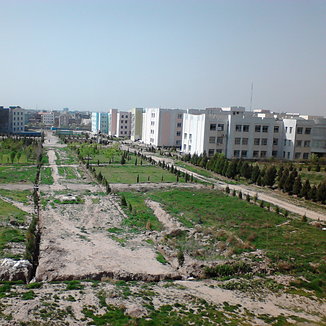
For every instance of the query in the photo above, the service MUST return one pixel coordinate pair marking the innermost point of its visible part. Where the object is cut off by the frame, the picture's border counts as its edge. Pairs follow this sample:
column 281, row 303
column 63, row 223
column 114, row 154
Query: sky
column 100, row 54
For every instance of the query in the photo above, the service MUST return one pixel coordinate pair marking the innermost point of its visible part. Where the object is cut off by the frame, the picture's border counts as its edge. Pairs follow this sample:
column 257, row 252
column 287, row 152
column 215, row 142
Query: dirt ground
column 78, row 242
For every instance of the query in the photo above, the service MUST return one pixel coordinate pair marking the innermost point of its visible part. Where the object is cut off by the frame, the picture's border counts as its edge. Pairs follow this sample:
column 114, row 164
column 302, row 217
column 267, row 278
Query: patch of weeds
column 228, row 269
column 115, row 230
column 160, row 258
column 29, row 295
column 35, row 285
column 230, row 308
column 121, row 241
column 70, row 298
column 74, row 285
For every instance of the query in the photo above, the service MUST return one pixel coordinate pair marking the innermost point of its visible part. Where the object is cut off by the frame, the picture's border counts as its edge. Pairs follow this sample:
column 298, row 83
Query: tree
column 123, row 160
column 313, row 193
column 136, row 161
column 270, row 175
column 137, row 178
column 305, row 189
column 245, row 170
column 18, row 156
column 297, row 186
column 255, row 173
column 123, row 201
column 321, row 192
column 282, row 178
column 12, row 157
column 232, row 170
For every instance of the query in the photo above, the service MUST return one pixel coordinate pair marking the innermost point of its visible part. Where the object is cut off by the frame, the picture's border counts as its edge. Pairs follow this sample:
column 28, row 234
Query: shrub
column 123, row 201
column 240, row 194
column 248, row 198
column 228, row 270
column 262, row 204
column 227, row 189
column 234, row 193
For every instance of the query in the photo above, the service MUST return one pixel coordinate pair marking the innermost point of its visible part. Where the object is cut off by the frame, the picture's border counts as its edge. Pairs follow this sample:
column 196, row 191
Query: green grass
column 9, row 212
column 160, row 258
column 17, row 174
column 195, row 169
column 7, row 235
column 23, row 196
column 291, row 247
column 313, row 177
column 46, row 176
column 68, row 172
column 139, row 215
column 128, row 174
column 66, row 155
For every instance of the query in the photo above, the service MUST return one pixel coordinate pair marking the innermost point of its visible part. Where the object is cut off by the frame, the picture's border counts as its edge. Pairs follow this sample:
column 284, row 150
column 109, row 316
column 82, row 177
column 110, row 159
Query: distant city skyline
column 95, row 55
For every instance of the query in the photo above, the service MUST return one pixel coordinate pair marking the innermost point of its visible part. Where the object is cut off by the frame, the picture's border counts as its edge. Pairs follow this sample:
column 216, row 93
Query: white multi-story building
column 123, row 124
column 253, row 135
column 100, row 122
column 136, row 123
column 47, row 118
column 16, row 119
column 162, row 127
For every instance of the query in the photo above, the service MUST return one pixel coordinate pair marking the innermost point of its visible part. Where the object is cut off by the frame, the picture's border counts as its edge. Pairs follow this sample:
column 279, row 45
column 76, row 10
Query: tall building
column 162, row 127
column 100, row 122
column 4, row 120
column 123, row 124
column 113, row 122
column 136, row 123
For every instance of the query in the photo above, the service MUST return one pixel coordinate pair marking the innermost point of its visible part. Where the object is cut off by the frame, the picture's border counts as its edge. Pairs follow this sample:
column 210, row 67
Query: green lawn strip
column 7, row 235
column 139, row 214
column 192, row 168
column 46, row 176
column 68, row 172
column 10, row 212
column 66, row 155
column 313, row 177
column 17, row 174
column 128, row 174
column 292, row 247
column 22, row 196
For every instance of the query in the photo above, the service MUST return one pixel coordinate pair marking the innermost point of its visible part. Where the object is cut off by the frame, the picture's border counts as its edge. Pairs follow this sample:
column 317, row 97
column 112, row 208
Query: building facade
column 100, row 122
column 136, row 123
column 162, row 127
column 123, row 124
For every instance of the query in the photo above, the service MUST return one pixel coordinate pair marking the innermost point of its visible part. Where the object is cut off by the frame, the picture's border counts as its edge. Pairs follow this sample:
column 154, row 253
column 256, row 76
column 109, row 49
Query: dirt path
column 28, row 209
column 166, row 219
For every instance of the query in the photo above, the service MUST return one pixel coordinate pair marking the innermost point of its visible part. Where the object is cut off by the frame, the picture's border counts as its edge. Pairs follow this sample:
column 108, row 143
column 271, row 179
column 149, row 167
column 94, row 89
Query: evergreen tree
column 321, row 192
column 283, row 178
column 245, row 170
column 297, row 186
column 313, row 193
column 123, row 201
column 305, row 189
column 255, row 173
column 270, row 175
column 232, row 170
column 137, row 178
column 123, row 160
column 136, row 161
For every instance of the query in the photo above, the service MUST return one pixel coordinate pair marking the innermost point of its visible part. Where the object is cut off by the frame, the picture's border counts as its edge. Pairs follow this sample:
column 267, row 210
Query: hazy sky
column 100, row 54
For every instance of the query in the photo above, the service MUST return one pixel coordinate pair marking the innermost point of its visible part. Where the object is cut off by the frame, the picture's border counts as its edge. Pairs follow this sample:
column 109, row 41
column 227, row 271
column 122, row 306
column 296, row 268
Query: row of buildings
column 233, row 131
column 15, row 120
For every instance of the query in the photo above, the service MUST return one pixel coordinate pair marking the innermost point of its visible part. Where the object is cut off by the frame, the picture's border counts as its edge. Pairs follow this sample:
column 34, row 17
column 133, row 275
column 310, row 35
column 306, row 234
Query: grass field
column 17, row 174
column 68, row 172
column 10, row 214
column 293, row 247
column 66, row 155
column 20, row 196
column 128, row 174
column 46, row 176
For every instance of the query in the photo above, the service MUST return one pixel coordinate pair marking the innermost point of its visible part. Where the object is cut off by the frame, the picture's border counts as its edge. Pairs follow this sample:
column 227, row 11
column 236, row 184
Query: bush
column 248, row 198
column 123, row 201
column 234, row 193
column 227, row 189
column 240, row 194
column 228, row 270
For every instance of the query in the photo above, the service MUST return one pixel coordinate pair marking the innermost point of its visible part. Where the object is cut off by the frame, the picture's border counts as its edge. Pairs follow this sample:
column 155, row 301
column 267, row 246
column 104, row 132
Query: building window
column 152, row 123
column 257, row 128
column 275, row 141
column 298, row 143
column 178, row 133
column 236, row 153
column 190, row 136
column 243, row 153
column 290, row 130
column 276, row 129
column 274, row 153
column 212, row 126
column 180, row 116
column 121, row 127
column 284, row 142
column 179, row 125
column 178, row 142
column 152, row 140
column 286, row 129
column 153, row 115
column 237, row 141
column 126, row 121
column 238, row 127
column 245, row 128
column 220, row 127
column 306, row 143
column 184, row 147
column 256, row 141
column 219, row 140
column 122, row 116
column 244, row 141
column 308, row 131
column 283, row 154
column 305, row 156
column 212, row 140
column 264, row 141
column 255, row 153
column 300, row 130
column 263, row 154
column 185, row 135
column 189, row 148
column 126, row 127
column 297, row 155
column 210, row 152
column 265, row 128
column 152, row 131
column 218, row 151
column 288, row 155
